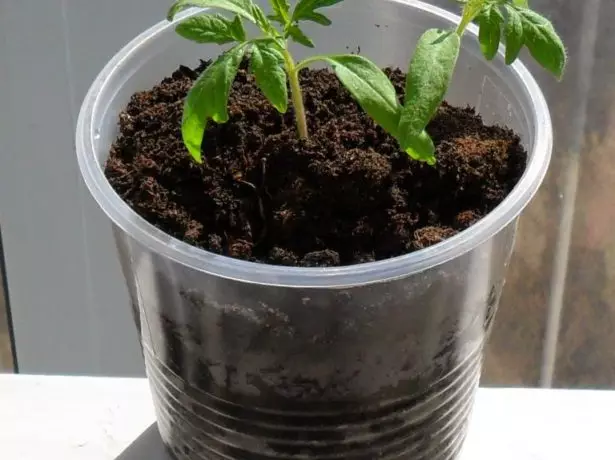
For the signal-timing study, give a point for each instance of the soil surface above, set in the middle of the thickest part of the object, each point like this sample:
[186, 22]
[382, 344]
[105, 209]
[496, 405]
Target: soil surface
[347, 195]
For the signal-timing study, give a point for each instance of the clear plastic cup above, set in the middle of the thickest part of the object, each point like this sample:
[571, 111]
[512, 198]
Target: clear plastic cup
[378, 360]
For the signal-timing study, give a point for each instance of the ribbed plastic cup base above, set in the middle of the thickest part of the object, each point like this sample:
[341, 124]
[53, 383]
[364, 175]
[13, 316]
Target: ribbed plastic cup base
[195, 425]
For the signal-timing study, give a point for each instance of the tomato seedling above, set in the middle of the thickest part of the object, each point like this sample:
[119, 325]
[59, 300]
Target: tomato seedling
[276, 71]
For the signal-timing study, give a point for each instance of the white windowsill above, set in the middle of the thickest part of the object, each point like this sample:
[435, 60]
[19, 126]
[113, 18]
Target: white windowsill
[75, 418]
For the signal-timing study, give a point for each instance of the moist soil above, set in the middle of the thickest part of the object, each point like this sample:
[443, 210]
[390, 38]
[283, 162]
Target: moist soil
[346, 195]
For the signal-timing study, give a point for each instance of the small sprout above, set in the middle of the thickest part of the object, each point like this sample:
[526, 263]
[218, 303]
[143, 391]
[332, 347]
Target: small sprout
[275, 70]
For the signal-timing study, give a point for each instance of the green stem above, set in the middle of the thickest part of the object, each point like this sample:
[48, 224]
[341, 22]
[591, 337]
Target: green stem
[295, 92]
[306, 62]
[462, 27]
[466, 19]
[470, 10]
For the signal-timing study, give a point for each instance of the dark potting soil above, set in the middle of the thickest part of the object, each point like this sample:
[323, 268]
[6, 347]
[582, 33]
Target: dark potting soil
[345, 196]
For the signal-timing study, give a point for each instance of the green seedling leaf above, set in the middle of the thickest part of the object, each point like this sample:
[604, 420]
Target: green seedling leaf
[318, 18]
[297, 35]
[514, 35]
[281, 11]
[208, 98]
[277, 74]
[490, 21]
[276, 18]
[474, 7]
[306, 10]
[471, 10]
[422, 148]
[370, 87]
[261, 20]
[430, 74]
[542, 41]
[267, 65]
[241, 7]
[212, 29]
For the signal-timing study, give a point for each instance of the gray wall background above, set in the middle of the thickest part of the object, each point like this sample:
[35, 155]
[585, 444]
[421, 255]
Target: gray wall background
[69, 305]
